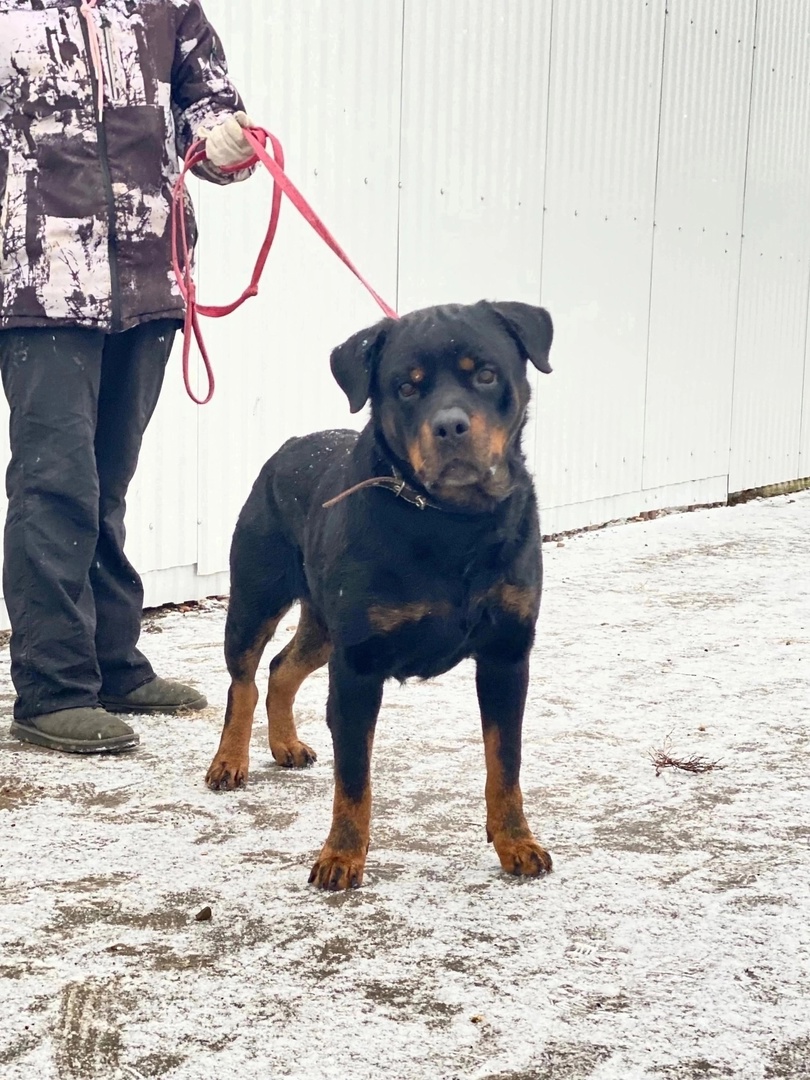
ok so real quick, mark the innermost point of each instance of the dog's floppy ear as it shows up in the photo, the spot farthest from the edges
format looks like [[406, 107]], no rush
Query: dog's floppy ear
[[352, 363], [531, 328]]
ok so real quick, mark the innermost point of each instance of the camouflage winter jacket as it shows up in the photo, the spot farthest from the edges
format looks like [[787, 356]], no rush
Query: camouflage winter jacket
[[85, 234]]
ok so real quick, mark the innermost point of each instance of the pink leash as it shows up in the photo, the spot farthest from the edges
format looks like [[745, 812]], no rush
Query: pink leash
[[181, 262], [257, 138]]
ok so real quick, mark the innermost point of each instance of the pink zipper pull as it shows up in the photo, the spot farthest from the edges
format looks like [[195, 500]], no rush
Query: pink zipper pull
[[86, 8]]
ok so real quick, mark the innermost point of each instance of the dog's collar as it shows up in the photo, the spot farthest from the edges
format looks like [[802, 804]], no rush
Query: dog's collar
[[396, 483]]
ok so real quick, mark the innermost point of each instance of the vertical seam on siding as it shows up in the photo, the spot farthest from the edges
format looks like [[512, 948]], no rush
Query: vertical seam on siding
[[742, 245], [399, 161], [545, 150], [652, 248], [803, 417], [536, 374]]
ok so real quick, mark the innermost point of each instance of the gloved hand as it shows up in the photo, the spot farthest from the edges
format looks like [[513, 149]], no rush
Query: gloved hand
[[226, 145]]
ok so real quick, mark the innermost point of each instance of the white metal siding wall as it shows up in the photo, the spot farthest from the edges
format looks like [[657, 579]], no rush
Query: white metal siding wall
[[473, 150], [326, 78], [771, 389], [162, 499], [696, 254], [603, 99], [471, 214], [642, 167]]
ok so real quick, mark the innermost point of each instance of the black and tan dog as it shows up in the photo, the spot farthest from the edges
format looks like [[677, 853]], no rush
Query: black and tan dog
[[410, 547]]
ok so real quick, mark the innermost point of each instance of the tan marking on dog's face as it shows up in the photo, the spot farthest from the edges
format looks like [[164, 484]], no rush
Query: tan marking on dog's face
[[416, 457], [422, 451], [466, 363], [387, 619], [489, 440], [497, 441], [416, 375]]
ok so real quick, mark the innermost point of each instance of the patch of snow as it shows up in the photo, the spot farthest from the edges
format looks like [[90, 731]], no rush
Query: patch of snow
[[671, 941]]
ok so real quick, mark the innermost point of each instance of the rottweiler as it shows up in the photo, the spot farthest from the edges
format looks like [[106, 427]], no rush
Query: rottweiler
[[409, 546]]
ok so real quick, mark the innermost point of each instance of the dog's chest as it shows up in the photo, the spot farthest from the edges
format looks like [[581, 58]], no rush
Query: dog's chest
[[415, 623]]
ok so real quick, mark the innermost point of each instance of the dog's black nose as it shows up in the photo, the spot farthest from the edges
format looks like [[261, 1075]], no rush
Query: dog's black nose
[[451, 424]]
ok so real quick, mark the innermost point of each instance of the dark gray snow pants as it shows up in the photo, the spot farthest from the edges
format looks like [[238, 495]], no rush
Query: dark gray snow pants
[[80, 402]]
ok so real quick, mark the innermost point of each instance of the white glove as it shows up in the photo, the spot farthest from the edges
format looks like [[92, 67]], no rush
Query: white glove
[[226, 144]]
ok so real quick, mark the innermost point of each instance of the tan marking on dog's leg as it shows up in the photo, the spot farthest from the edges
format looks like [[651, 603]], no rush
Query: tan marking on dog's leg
[[229, 769], [342, 859], [309, 650], [507, 828]]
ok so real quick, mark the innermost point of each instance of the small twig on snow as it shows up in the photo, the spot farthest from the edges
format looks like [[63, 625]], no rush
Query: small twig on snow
[[663, 759]]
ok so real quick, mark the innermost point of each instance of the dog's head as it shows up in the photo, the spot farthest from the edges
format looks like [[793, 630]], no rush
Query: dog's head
[[448, 392]]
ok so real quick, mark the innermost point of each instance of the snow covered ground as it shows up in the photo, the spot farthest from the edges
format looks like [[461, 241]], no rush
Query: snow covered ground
[[671, 941]]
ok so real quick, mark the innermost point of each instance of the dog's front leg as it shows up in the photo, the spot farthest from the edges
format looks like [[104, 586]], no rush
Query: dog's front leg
[[351, 712], [502, 689]]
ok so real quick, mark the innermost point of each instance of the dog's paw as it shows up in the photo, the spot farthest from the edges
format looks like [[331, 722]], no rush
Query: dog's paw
[[293, 754], [227, 775], [522, 856], [336, 870]]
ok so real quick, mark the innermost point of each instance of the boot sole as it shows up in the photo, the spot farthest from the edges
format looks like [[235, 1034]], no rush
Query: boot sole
[[117, 745], [153, 710]]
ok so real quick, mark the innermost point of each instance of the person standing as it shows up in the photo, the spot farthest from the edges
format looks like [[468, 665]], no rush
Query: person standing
[[99, 100]]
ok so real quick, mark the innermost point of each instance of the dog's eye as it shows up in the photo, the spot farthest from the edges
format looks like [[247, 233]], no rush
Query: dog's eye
[[485, 377], [407, 389]]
